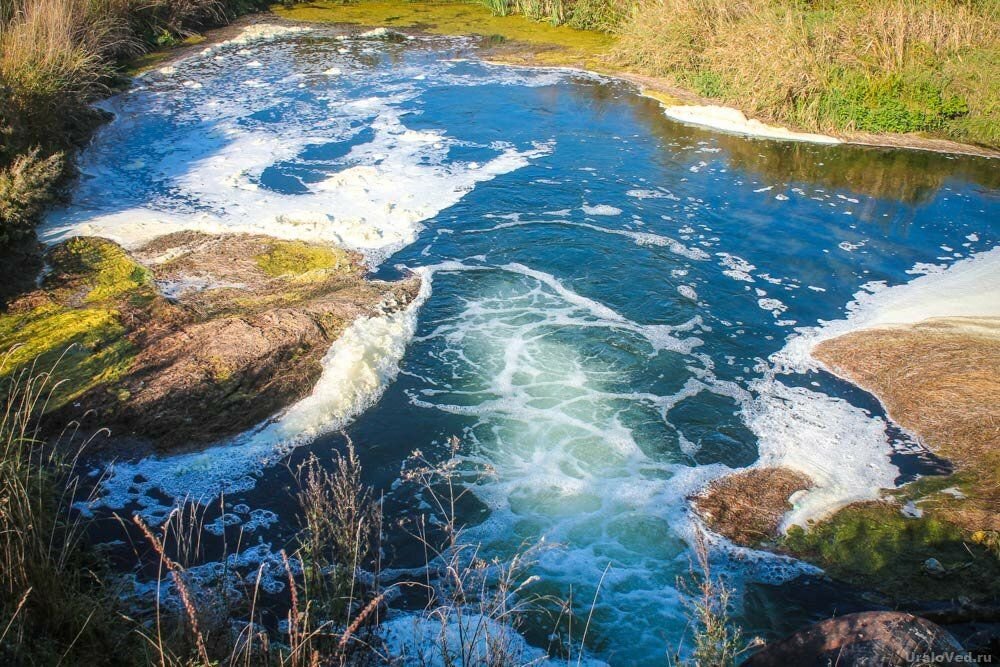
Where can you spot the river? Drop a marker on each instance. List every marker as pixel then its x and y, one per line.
pixel 604 291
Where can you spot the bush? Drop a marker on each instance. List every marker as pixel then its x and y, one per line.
pixel 26 187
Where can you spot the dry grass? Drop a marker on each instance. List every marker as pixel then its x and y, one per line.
pixel 941 380
pixel 717 641
pixel 870 65
pixel 54 604
pixel 747 507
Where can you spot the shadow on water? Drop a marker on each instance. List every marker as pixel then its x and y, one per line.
pixel 909 177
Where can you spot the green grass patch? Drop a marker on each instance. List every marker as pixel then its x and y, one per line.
pixel 708 84
pixel 875 546
pixel 902 103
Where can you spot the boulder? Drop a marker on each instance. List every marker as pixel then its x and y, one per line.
pixel 867 639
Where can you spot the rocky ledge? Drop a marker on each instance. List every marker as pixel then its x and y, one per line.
pixel 880 638
pixel 191 338
pixel 932 545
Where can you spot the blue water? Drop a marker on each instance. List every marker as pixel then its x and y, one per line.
pixel 600 314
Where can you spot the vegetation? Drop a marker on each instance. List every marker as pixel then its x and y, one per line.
pixel 543 41
pixel 57 56
pixel 300 260
pixel 834 65
pixel 938 379
pixel 717 642
pixel 876 546
pixel 77 321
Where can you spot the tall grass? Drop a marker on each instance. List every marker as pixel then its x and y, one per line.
pixel 854 65
pixel 55 603
pixel 57 56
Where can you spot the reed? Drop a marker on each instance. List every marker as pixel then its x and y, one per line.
pixel 56 603
pixel 837 65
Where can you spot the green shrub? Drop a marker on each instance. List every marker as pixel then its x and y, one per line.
pixel 26 187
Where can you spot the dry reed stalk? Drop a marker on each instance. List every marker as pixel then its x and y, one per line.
pixel 182 589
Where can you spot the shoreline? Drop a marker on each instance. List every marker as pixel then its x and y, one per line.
pixel 543 55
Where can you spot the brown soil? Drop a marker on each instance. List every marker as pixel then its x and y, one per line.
pixel 941 380
pixel 747 507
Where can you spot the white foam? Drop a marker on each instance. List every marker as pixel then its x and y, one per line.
pixel 968 288
pixel 566 436
pixel 376 207
pixel 257 32
pixel 688 292
pixel 733 121
pixel 208 165
pixel 736 267
pixel 639 238
pixel 842 448
pixel 601 209
pixel 450 638
pixel 356 370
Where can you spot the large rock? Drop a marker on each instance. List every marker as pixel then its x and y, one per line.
pixel 193 337
pixel 868 639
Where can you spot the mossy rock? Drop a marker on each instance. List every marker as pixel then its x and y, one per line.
pixel 875 546
pixel 297 259
pixel 74 328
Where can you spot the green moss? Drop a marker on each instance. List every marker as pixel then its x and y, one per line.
pixel 101 267
pixel 83 347
pixel 875 546
pixel 455 18
pixel 75 329
pixel 301 260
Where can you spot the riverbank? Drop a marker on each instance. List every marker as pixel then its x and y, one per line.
pixel 932 91
pixel 929 350
pixel 620 50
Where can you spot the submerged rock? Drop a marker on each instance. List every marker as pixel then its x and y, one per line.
pixel 877 638
pixel 194 337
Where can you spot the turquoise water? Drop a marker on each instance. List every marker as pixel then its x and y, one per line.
pixel 603 289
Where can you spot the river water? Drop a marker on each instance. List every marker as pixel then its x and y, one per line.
pixel 604 294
